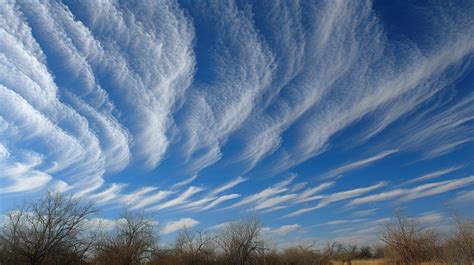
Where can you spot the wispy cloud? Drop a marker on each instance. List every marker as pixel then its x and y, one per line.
pixel 181 199
pixel 434 174
pixel 264 194
pixel 424 190
pixel 174 226
pixel 220 200
pixel 184 182
pixel 282 230
pixel 340 222
pixel 151 199
pixel 228 185
pixel 356 165
pixel 239 76
pixel 464 196
pixel 338 196
pixel 109 101
pixel 367 212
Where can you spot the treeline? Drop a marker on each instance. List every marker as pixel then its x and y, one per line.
pixel 59 230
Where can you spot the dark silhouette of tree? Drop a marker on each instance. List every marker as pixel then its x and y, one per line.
pixel 51 230
pixel 408 243
pixel 195 248
pixel 240 240
pixel 132 242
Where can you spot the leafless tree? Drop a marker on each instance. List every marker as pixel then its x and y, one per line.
pixel 51 230
pixel 195 248
pixel 132 242
pixel 337 251
pixel 408 243
pixel 459 248
pixel 299 255
pixel 333 249
pixel 240 240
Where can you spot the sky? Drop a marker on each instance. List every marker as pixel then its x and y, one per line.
pixel 320 117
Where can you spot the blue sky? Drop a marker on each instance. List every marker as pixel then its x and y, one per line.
pixel 322 117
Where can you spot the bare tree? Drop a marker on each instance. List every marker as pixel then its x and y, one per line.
pixel 51 230
pixel 240 240
pixel 300 255
pixel 333 249
pixel 459 248
pixel 408 243
pixel 195 248
pixel 337 251
pixel 132 242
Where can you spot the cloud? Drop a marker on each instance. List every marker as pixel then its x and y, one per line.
pixel 108 194
pixel 358 164
pixel 339 222
pixel 338 196
pixel 240 73
pixel 264 194
pixel 158 75
pixel 307 195
pixel 181 199
pixel 464 196
pixel 421 191
pixel 220 200
pixel 91 92
pixel 21 176
pixel 184 182
pixel 271 202
pixel 138 195
pixel 434 174
pixel 282 230
pixel 151 199
pixel 430 218
pixel 228 185
pixel 156 78
pixel 174 226
pixel 367 212
pixel 437 188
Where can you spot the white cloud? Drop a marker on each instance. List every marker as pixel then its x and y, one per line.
pixel 174 226
pixel 264 194
pixel 358 164
pixel 367 212
pixel 184 182
pixel 307 195
pixel 181 199
pixel 151 199
pixel 282 230
pixel 424 190
pixel 228 185
pixel 464 196
pixel 220 200
pixel 138 195
pixel 108 194
pixel 241 71
pixel 340 222
pixel 273 201
pixel 338 196
pixel 430 218
pixel 434 174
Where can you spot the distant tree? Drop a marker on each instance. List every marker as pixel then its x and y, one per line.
pixel 132 242
pixel 50 230
pixel 333 249
pixel 408 243
pixel 379 251
pixel 300 255
pixel 459 248
pixel 365 252
pixel 240 240
pixel 195 248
